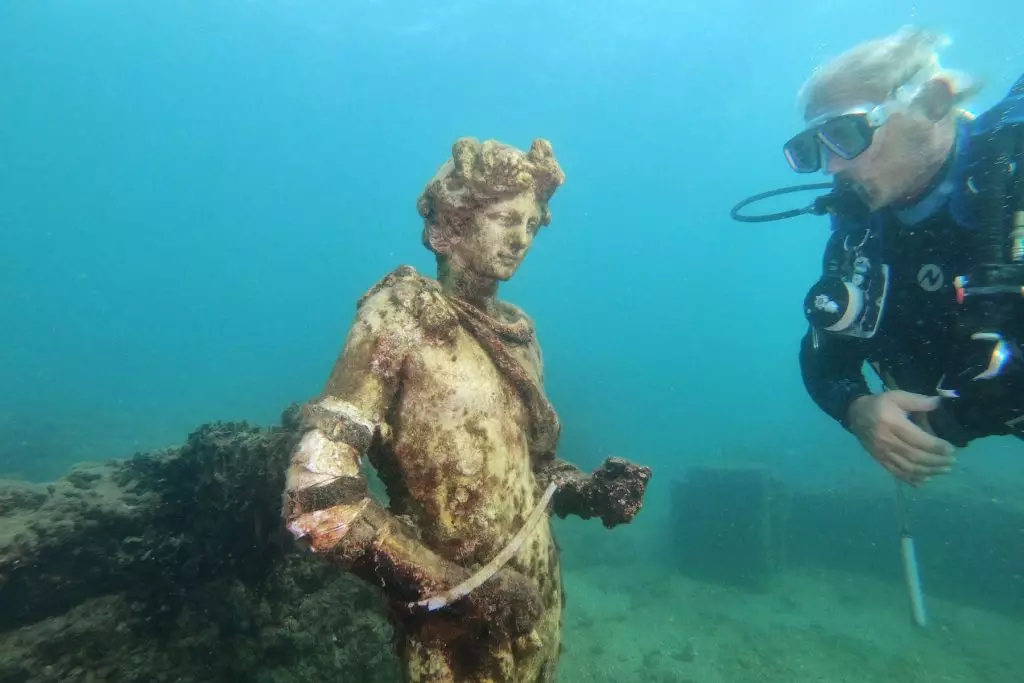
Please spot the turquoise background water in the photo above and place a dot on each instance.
(194, 194)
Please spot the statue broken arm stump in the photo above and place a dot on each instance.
(614, 492)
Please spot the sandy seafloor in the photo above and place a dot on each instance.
(631, 615)
(646, 621)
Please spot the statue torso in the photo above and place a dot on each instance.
(457, 461)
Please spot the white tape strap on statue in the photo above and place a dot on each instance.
(345, 411)
(342, 422)
(436, 602)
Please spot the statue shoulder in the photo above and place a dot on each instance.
(513, 315)
(520, 326)
(403, 297)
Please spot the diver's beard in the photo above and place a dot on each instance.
(865, 192)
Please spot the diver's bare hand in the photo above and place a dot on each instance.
(885, 429)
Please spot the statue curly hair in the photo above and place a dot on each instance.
(479, 174)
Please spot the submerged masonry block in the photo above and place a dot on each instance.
(740, 526)
(970, 549)
(730, 525)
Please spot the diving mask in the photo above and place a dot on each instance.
(847, 134)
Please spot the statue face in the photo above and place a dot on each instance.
(501, 236)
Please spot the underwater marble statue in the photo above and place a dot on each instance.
(439, 386)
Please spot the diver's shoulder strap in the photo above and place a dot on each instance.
(1008, 111)
(986, 154)
(1018, 87)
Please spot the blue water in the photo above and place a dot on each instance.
(194, 194)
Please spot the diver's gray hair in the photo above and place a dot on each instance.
(874, 70)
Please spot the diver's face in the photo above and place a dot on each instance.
(501, 235)
(891, 168)
(869, 173)
(877, 175)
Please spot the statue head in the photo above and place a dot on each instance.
(484, 206)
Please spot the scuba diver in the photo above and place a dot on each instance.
(923, 274)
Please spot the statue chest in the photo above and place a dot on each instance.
(461, 448)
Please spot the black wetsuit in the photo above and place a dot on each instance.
(925, 247)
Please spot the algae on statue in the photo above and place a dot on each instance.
(440, 385)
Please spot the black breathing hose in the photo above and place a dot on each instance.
(818, 207)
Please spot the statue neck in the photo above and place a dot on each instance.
(480, 292)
